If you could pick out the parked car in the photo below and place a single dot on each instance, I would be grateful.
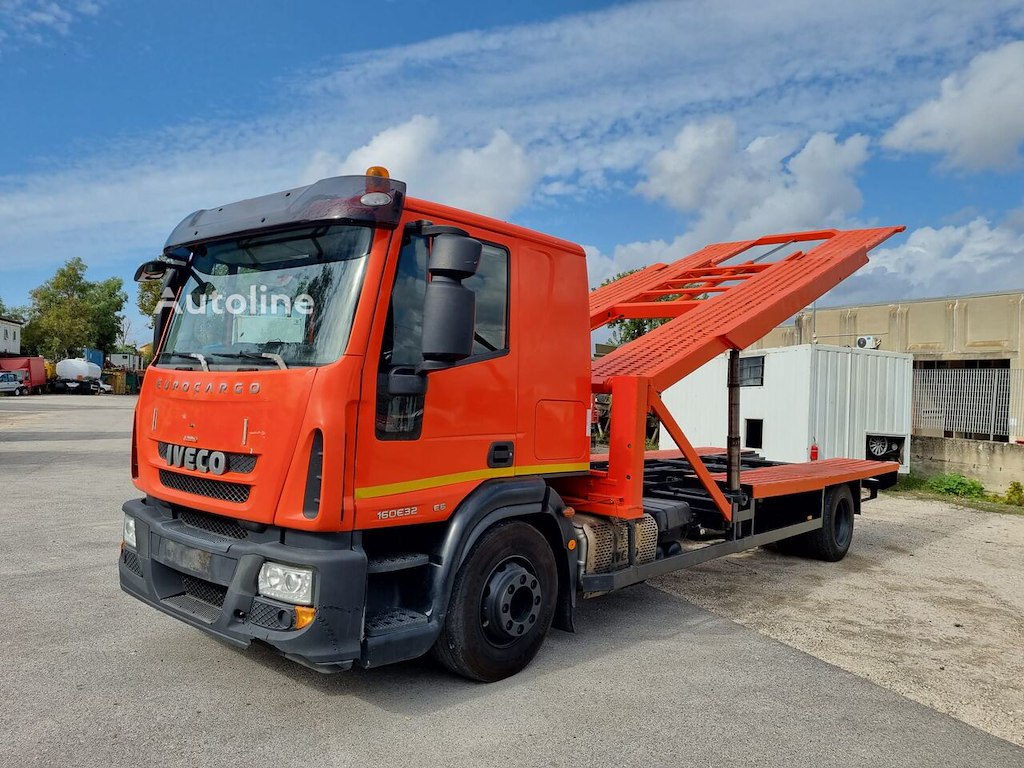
(11, 384)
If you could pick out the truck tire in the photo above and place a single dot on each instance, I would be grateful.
(501, 605)
(832, 541)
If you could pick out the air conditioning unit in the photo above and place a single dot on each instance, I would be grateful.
(868, 342)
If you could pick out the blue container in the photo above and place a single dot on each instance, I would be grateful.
(93, 356)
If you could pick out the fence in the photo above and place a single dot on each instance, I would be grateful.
(969, 402)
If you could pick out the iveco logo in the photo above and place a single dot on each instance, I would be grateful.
(198, 459)
(223, 388)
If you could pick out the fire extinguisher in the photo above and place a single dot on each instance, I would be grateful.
(814, 451)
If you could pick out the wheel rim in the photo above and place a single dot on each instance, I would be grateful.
(878, 446)
(511, 601)
(843, 524)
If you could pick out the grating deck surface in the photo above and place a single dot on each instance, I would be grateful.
(763, 296)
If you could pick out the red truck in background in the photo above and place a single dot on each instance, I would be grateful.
(406, 467)
(31, 371)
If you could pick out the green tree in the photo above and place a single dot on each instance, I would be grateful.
(18, 313)
(106, 299)
(69, 312)
(147, 298)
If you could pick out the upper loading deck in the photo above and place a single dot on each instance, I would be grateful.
(715, 306)
(724, 297)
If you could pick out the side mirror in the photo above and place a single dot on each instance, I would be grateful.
(449, 308)
(406, 381)
(150, 271)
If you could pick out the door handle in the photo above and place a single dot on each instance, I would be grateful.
(500, 454)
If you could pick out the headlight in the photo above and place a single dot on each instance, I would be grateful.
(287, 583)
(128, 531)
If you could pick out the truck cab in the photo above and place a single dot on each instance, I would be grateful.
(343, 374)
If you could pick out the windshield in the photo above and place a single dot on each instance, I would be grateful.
(277, 300)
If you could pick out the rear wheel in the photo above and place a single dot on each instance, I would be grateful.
(832, 541)
(501, 606)
(18, 392)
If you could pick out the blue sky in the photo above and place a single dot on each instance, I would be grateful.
(641, 130)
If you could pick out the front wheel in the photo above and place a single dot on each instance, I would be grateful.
(501, 605)
(18, 392)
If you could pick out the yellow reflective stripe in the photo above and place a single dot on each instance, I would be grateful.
(431, 482)
(388, 489)
(553, 469)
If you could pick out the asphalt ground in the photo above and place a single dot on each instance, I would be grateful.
(93, 678)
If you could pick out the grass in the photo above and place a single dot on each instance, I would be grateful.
(963, 491)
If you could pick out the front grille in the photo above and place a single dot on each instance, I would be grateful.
(187, 604)
(131, 562)
(211, 594)
(201, 599)
(222, 526)
(203, 486)
(242, 463)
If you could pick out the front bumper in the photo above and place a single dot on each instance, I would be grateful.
(207, 576)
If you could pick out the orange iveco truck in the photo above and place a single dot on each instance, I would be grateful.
(365, 434)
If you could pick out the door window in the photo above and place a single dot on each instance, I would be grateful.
(400, 416)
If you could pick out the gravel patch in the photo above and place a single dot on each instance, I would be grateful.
(929, 603)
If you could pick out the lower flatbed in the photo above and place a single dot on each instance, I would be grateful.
(759, 478)
(774, 502)
(787, 479)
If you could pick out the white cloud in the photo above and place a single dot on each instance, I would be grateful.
(631, 256)
(734, 192)
(593, 94)
(977, 121)
(976, 257)
(684, 173)
(739, 191)
(973, 258)
(494, 179)
(120, 209)
(35, 20)
(574, 107)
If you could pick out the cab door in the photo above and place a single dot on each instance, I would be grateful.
(417, 456)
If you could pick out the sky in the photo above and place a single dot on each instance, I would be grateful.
(641, 130)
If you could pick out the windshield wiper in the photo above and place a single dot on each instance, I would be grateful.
(276, 359)
(189, 356)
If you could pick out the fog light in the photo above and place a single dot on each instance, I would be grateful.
(128, 531)
(286, 583)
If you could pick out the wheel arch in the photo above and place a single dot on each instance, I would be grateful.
(528, 499)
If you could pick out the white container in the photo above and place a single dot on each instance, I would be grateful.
(124, 360)
(77, 369)
(849, 402)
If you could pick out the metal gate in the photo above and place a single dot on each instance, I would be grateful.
(970, 402)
